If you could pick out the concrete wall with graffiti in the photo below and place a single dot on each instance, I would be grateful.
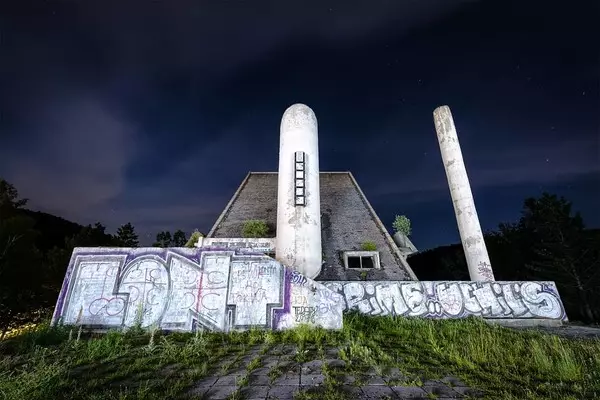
(256, 245)
(453, 299)
(183, 289)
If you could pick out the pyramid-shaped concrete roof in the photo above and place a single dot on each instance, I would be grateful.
(347, 221)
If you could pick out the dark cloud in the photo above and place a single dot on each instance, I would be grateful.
(153, 111)
(501, 167)
(73, 157)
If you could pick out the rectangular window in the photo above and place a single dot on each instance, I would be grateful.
(367, 262)
(361, 259)
(299, 168)
(354, 262)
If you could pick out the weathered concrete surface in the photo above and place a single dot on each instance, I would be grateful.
(405, 245)
(454, 299)
(478, 260)
(255, 245)
(568, 331)
(299, 226)
(181, 289)
(525, 322)
(347, 221)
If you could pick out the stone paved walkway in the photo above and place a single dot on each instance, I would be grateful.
(276, 375)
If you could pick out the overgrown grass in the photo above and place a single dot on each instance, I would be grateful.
(52, 363)
(368, 246)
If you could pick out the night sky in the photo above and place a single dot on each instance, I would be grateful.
(154, 111)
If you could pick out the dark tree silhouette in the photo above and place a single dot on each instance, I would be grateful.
(179, 239)
(163, 239)
(126, 236)
(20, 272)
(558, 248)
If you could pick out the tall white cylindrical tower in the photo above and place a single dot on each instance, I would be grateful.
(469, 228)
(298, 241)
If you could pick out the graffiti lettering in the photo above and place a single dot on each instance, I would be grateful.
(305, 314)
(297, 278)
(299, 300)
(146, 281)
(253, 270)
(183, 289)
(215, 277)
(453, 299)
(330, 301)
(249, 296)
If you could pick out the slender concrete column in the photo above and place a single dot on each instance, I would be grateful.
(298, 242)
(478, 260)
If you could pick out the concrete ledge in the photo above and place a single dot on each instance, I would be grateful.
(226, 289)
(526, 323)
(256, 245)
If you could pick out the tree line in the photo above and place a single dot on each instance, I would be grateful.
(548, 243)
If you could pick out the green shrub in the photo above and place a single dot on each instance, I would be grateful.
(194, 237)
(402, 224)
(369, 246)
(255, 228)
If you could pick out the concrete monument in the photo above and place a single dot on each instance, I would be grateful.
(322, 221)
